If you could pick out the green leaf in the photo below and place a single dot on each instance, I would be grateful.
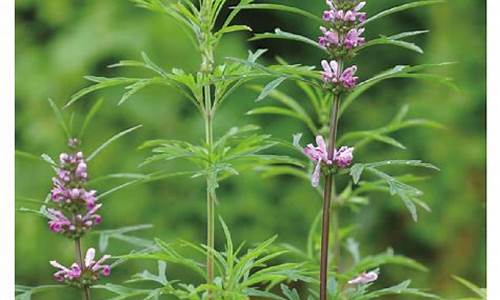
(392, 42)
(370, 135)
(111, 140)
(269, 88)
(297, 72)
(48, 159)
(275, 110)
(119, 187)
(169, 254)
(395, 41)
(59, 117)
(166, 150)
(139, 85)
(290, 294)
(90, 115)
(119, 176)
(356, 171)
(283, 35)
(407, 193)
(258, 294)
(284, 8)
(481, 292)
(100, 83)
(400, 8)
(381, 134)
(396, 72)
(291, 103)
(385, 258)
(161, 278)
(151, 65)
(272, 171)
(29, 200)
(233, 28)
(121, 234)
(124, 292)
(400, 289)
(411, 163)
(25, 292)
(26, 155)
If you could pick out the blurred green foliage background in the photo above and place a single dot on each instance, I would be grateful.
(59, 41)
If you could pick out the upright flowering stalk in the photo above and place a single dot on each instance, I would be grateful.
(75, 213)
(341, 35)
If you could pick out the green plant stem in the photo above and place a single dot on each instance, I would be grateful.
(210, 192)
(79, 260)
(327, 197)
(207, 64)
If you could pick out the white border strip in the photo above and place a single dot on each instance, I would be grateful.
(7, 148)
(7, 77)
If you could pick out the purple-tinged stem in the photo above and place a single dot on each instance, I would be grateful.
(79, 260)
(327, 196)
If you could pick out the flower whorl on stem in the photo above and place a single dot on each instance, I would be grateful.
(342, 158)
(76, 210)
(83, 276)
(342, 32)
(341, 35)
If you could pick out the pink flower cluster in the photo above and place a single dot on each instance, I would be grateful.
(332, 39)
(343, 20)
(341, 35)
(76, 210)
(342, 158)
(332, 75)
(85, 274)
(75, 226)
(364, 278)
(351, 15)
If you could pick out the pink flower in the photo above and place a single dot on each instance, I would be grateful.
(90, 218)
(90, 267)
(343, 157)
(73, 143)
(360, 15)
(329, 38)
(348, 79)
(76, 225)
(355, 14)
(88, 197)
(81, 171)
(97, 266)
(330, 71)
(364, 278)
(319, 154)
(343, 32)
(58, 221)
(328, 15)
(353, 38)
(331, 74)
(351, 15)
(70, 274)
(76, 212)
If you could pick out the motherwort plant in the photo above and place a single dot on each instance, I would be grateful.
(240, 272)
(330, 92)
(76, 213)
(72, 210)
(206, 88)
